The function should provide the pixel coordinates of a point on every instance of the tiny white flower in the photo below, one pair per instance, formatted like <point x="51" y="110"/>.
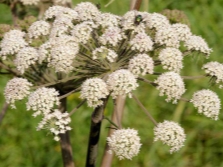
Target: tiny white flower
<point x="207" y="102"/>
<point x="94" y="90"/>
<point x="171" y="85"/>
<point x="16" y="89"/>
<point x="141" y="64"/>
<point x="125" y="143"/>
<point x="121" y="82"/>
<point x="170" y="133"/>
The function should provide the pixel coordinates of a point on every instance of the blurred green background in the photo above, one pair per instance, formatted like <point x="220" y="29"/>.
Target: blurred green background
<point x="22" y="146"/>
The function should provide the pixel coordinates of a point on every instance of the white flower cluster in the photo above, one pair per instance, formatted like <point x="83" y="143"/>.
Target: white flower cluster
<point x="170" y="133"/>
<point x="125" y="143"/>
<point x="30" y="2"/>
<point x="94" y="90"/>
<point x="26" y="57"/>
<point x="87" y="11"/>
<point x="170" y="84"/>
<point x="182" y="30"/>
<point x="42" y="101"/>
<point x="167" y="36"/>
<point x="157" y="21"/>
<point x="38" y="28"/>
<point x="141" y="64"/>
<point x="141" y="42"/>
<point x="107" y="20"/>
<point x="12" y="42"/>
<point x="56" y="122"/>
<point x="121" y="82"/>
<point x="112" y="36"/>
<point x="214" y="69"/>
<point x="103" y="52"/>
<point x="171" y="59"/>
<point x="16" y="89"/>
<point x="207" y="103"/>
<point x="198" y="44"/>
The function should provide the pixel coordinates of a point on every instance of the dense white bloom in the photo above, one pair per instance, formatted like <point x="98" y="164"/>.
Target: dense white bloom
<point x="42" y="100"/>
<point x="25" y="57"/>
<point x="170" y="133"/>
<point x="53" y="11"/>
<point x="125" y="143"/>
<point x="121" y="82"/>
<point x="128" y="21"/>
<point x="103" y="52"/>
<point x="82" y="32"/>
<point x="171" y="85"/>
<point x="214" y="69"/>
<point x="30" y="2"/>
<point x="12" y="42"/>
<point x="94" y="90"/>
<point x="107" y="20"/>
<point x="167" y="36"/>
<point x="182" y="30"/>
<point x="112" y="36"/>
<point x="141" y="42"/>
<point x="44" y="51"/>
<point x="56" y="122"/>
<point x="198" y="44"/>
<point x="157" y="21"/>
<point x="171" y="59"/>
<point x="61" y="58"/>
<point x="87" y="11"/>
<point x="207" y="103"/>
<point x="62" y="2"/>
<point x="16" y="89"/>
<point x="38" y="28"/>
<point x="141" y="64"/>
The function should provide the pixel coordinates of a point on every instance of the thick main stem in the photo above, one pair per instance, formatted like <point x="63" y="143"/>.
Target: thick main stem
<point x="66" y="149"/>
<point x="96" y="119"/>
<point x="116" y="117"/>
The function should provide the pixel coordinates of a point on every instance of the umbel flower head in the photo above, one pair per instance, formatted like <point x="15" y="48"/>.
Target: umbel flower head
<point x="16" y="89"/>
<point x="125" y="143"/>
<point x="170" y="133"/>
<point x="56" y="122"/>
<point x="207" y="103"/>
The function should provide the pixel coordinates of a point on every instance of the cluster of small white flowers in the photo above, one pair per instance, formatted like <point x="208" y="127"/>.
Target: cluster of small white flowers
<point x="25" y="58"/>
<point x="128" y="21"/>
<point x="87" y="11"/>
<point x="171" y="59"/>
<point x="62" y="57"/>
<point x="56" y="122"/>
<point x="30" y="2"/>
<point x="16" y="89"/>
<point x="141" y="42"/>
<point x="94" y="90"/>
<point x="103" y="52"/>
<point x="107" y="20"/>
<point x="39" y="28"/>
<point x="125" y="143"/>
<point x="170" y="133"/>
<point x="42" y="100"/>
<point x="112" y="36"/>
<point x="141" y="64"/>
<point x="53" y="11"/>
<point x="12" y="42"/>
<point x="167" y="36"/>
<point x="197" y="43"/>
<point x="214" y="69"/>
<point x="182" y="30"/>
<point x="44" y="51"/>
<point x="157" y="21"/>
<point x="170" y="84"/>
<point x="121" y="82"/>
<point x="207" y="103"/>
<point x="82" y="32"/>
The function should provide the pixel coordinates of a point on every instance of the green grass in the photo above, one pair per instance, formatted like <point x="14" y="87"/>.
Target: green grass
<point x="22" y="146"/>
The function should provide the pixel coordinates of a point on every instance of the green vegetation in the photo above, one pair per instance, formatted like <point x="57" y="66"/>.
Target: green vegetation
<point x="22" y="146"/>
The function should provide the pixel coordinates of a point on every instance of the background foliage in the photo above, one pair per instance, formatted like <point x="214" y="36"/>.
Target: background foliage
<point x="22" y="146"/>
